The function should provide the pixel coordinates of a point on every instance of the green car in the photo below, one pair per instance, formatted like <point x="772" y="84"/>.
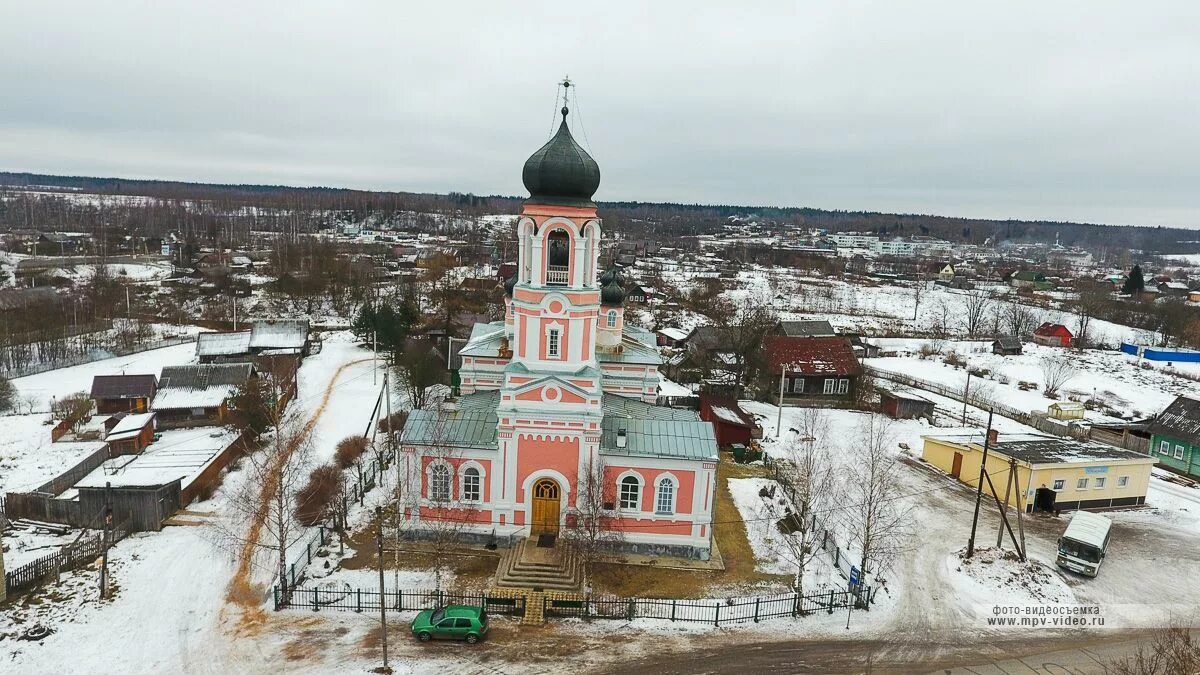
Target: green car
<point x="455" y="622"/>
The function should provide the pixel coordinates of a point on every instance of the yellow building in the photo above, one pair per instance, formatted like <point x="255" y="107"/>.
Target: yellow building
<point x="1053" y="473"/>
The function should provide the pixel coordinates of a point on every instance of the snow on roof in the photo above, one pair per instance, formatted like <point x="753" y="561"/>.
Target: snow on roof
<point x="675" y="333"/>
<point x="726" y="414"/>
<point x="202" y="386"/>
<point x="178" y="454"/>
<point x="1042" y="449"/>
<point x="812" y="355"/>
<point x="279" y="333"/>
<point x="671" y="389"/>
<point x="223" y="344"/>
<point x="130" y="423"/>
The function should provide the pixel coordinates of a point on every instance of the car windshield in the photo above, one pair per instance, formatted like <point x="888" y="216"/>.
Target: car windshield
<point x="1079" y="550"/>
<point x="437" y="616"/>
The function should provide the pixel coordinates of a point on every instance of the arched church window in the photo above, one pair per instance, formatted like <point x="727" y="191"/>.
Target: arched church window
<point x="631" y="493"/>
<point x="439" y="483"/>
<point x="612" y="318"/>
<point x="558" y="257"/>
<point x="472" y="486"/>
<point x="665" y="499"/>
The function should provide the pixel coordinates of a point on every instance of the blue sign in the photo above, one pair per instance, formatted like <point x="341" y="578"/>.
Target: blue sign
<point x="166" y="249"/>
<point x="1095" y="469"/>
<point x="854" y="580"/>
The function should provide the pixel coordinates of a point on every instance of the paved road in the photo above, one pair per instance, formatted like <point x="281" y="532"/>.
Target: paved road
<point x="1051" y="656"/>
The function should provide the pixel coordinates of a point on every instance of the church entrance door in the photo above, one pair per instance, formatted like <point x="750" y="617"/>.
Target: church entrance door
<point x="545" y="507"/>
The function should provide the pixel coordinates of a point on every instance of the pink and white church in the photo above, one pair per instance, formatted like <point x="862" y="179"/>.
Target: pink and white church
<point x="560" y="394"/>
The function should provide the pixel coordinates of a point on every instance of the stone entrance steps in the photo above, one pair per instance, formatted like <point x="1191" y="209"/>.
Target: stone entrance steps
<point x="527" y="566"/>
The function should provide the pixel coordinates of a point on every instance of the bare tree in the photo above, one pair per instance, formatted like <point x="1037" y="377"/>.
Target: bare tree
<point x="268" y="497"/>
<point x="590" y="531"/>
<point x="1019" y="319"/>
<point x="977" y="305"/>
<point x="807" y="467"/>
<point x="1170" y="651"/>
<point x="878" y="521"/>
<point x="1057" y="370"/>
<point x="918" y="291"/>
<point x="431" y="505"/>
<point x="418" y="367"/>
<point x="1090" y="303"/>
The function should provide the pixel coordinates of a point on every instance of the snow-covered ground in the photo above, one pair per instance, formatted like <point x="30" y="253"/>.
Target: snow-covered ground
<point x="44" y="387"/>
<point x="1110" y="377"/>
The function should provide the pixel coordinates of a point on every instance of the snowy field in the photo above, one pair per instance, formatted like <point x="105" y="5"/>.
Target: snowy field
<point x="1110" y="377"/>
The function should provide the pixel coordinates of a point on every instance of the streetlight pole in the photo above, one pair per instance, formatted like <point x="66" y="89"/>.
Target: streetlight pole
<point x="382" y="597"/>
<point x="779" y="413"/>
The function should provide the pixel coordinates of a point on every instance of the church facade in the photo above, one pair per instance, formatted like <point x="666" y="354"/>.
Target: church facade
<point x="556" y="421"/>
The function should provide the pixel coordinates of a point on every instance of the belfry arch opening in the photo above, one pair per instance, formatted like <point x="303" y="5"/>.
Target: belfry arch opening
<point x="558" y="258"/>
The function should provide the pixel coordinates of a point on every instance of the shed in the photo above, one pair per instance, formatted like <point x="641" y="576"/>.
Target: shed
<point x="672" y="337"/>
<point x="1007" y="345"/>
<point x="905" y="405"/>
<point x="212" y="347"/>
<point x="129" y="434"/>
<point x="730" y="423"/>
<point x="1066" y="410"/>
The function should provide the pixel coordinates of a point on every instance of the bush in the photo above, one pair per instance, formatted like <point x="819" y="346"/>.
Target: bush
<point x="315" y="502"/>
<point x="953" y="359"/>
<point x="397" y="420"/>
<point x="75" y="408"/>
<point x="349" y="449"/>
<point x="930" y="350"/>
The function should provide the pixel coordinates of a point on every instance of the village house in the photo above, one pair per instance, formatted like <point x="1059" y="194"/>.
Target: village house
<point x="814" y="368"/>
<point x="123" y="393"/>
<point x="1053" y="335"/>
<point x="730" y="423"/>
<point x="807" y="328"/>
<point x="1030" y="280"/>
<point x="672" y="337"/>
<point x="198" y="395"/>
<point x="1175" y="436"/>
<point x="557" y="399"/>
<point x="1053" y="473"/>
<point x="1173" y="289"/>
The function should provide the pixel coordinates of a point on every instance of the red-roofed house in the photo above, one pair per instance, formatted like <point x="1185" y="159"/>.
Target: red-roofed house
<point x="1053" y="335"/>
<point x="814" y="367"/>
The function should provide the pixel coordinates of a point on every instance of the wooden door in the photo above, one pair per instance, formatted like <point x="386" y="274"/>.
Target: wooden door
<point x="957" y="469"/>
<point x="545" y="507"/>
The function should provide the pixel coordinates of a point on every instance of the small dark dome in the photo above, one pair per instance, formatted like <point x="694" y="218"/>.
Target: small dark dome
<point x="509" y="285"/>
<point x="612" y="292"/>
<point x="561" y="172"/>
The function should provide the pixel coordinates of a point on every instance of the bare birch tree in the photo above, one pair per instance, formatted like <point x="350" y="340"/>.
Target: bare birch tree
<point x="590" y="531"/>
<point x="1057" y="370"/>
<point x="806" y="465"/>
<point x="879" y="523"/>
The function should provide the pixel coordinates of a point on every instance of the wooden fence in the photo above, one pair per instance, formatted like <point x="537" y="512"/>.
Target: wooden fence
<point x="974" y="399"/>
<point x="66" y="558"/>
<point x="73" y="475"/>
<point x="140" y="507"/>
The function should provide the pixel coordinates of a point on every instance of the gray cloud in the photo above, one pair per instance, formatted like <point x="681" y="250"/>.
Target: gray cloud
<point x="1070" y="110"/>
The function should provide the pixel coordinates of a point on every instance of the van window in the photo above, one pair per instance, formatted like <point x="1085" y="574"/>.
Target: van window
<point x="1077" y="549"/>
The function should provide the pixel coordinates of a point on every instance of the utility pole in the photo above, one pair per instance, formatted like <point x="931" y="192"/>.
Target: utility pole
<point x="1008" y="486"/>
<point x="966" y="397"/>
<point x="105" y="540"/>
<point x="779" y="413"/>
<point x="387" y="408"/>
<point x="979" y="488"/>
<point x="382" y="598"/>
<point x="374" y="357"/>
<point x="128" y="305"/>
<point x="233" y="299"/>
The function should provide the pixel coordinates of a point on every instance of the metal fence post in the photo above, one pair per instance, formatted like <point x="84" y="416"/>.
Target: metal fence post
<point x="673" y="603"/>
<point x="630" y="610"/>
<point x="717" y="616"/>
<point x="358" y="593"/>
<point x="757" y="601"/>
<point x="831" y="601"/>
<point x="314" y="592"/>
<point x="275" y="592"/>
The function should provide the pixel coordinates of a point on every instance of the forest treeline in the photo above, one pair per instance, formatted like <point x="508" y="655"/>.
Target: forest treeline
<point x="227" y="212"/>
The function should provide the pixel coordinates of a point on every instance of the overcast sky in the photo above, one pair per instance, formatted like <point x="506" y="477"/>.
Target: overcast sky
<point x="1081" y="110"/>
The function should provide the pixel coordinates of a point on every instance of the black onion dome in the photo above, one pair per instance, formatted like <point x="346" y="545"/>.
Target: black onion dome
<point x="561" y="173"/>
<point x="510" y="284"/>
<point x="612" y="292"/>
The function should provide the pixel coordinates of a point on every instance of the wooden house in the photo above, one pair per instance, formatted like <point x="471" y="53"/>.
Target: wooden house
<point x="1007" y="345"/>
<point x="123" y="393"/>
<point x="822" y="368"/>
<point x="129" y="433"/>
<point x="1053" y="335"/>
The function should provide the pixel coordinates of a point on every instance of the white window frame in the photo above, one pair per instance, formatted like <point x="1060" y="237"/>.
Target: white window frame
<point x="612" y="318"/>
<point x="843" y="386"/>
<point x="464" y="473"/>
<point x="1122" y="482"/>
<point x="1178" y="452"/>
<point x="798" y="385"/>
<point x="1081" y="483"/>
<point x="1059" y="484"/>
<point x="1099" y="483"/>
<point x="638" y="483"/>
<point x="1164" y="447"/>
<point x="672" y="486"/>
<point x="449" y="482"/>
<point x="830" y="385"/>
<point x="553" y="343"/>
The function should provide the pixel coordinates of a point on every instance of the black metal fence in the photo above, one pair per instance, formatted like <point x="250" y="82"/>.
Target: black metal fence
<point x="350" y="599"/>
<point x="712" y="611"/>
